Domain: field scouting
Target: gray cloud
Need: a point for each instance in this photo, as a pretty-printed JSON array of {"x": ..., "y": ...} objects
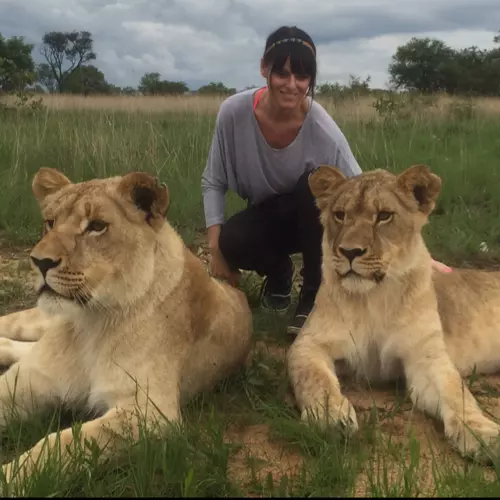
[{"x": 203, "y": 40}]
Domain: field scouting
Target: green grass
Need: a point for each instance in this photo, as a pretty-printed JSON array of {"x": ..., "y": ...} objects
[
  {"x": 209, "y": 456},
  {"x": 174, "y": 146}
]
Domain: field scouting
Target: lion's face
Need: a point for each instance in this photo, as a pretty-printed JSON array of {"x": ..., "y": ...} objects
[
  {"x": 372, "y": 222},
  {"x": 98, "y": 243}
]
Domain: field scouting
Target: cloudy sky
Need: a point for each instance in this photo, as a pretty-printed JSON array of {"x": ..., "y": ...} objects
[{"x": 222, "y": 40}]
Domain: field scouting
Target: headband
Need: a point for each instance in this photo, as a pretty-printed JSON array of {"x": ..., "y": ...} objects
[{"x": 290, "y": 40}]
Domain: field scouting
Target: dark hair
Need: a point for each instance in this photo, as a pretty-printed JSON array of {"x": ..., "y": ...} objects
[{"x": 286, "y": 42}]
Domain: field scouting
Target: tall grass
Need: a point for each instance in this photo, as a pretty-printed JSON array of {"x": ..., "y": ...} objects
[
  {"x": 461, "y": 146},
  {"x": 246, "y": 438}
]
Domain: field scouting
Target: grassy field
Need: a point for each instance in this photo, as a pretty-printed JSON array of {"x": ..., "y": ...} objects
[{"x": 246, "y": 438}]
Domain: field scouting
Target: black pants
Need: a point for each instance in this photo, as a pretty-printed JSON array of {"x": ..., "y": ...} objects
[{"x": 261, "y": 237}]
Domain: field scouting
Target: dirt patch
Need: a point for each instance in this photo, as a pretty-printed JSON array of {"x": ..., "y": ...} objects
[
  {"x": 404, "y": 447},
  {"x": 393, "y": 453},
  {"x": 14, "y": 259},
  {"x": 16, "y": 278},
  {"x": 260, "y": 456},
  {"x": 409, "y": 440}
]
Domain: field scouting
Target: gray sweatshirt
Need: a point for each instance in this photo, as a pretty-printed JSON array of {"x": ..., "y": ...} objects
[{"x": 241, "y": 160}]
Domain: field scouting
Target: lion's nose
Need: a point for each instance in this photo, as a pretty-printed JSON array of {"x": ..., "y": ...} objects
[
  {"x": 351, "y": 253},
  {"x": 45, "y": 264}
]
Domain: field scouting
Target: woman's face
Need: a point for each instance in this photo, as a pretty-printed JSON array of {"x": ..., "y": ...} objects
[{"x": 286, "y": 88}]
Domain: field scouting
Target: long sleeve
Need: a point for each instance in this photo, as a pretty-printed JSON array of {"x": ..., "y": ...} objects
[
  {"x": 214, "y": 182},
  {"x": 345, "y": 160}
]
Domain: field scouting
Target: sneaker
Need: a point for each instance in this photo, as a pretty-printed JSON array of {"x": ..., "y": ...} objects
[
  {"x": 304, "y": 307},
  {"x": 276, "y": 291}
]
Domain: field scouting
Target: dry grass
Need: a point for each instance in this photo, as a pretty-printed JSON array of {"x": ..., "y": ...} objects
[
  {"x": 359, "y": 108},
  {"x": 131, "y": 104}
]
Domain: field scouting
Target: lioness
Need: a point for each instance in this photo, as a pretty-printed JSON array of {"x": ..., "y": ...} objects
[
  {"x": 384, "y": 311},
  {"x": 126, "y": 314}
]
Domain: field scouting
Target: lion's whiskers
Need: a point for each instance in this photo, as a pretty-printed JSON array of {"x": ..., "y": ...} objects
[{"x": 95, "y": 302}]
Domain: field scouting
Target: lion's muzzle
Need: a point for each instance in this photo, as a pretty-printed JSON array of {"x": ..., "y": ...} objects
[
  {"x": 352, "y": 265},
  {"x": 44, "y": 265},
  {"x": 351, "y": 253}
]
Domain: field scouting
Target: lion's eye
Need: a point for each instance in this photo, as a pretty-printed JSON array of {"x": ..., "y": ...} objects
[
  {"x": 384, "y": 216},
  {"x": 97, "y": 226},
  {"x": 339, "y": 216}
]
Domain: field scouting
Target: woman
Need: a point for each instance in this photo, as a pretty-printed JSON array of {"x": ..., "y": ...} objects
[{"x": 265, "y": 144}]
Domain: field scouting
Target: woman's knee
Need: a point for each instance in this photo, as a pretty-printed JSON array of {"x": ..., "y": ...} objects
[
  {"x": 303, "y": 194},
  {"x": 235, "y": 240}
]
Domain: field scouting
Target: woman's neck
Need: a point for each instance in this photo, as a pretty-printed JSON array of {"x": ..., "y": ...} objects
[{"x": 278, "y": 114}]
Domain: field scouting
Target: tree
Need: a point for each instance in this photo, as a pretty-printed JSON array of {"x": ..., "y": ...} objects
[
  {"x": 151, "y": 84},
  {"x": 355, "y": 87},
  {"x": 423, "y": 64},
  {"x": 470, "y": 72},
  {"x": 65, "y": 52},
  {"x": 87, "y": 80},
  {"x": 329, "y": 88},
  {"x": 45, "y": 77},
  {"x": 17, "y": 68},
  {"x": 113, "y": 89},
  {"x": 128, "y": 91},
  {"x": 429, "y": 65},
  {"x": 216, "y": 88}
]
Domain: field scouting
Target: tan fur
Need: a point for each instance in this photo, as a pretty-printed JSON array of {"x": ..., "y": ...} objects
[
  {"x": 135, "y": 317},
  {"x": 396, "y": 316}
]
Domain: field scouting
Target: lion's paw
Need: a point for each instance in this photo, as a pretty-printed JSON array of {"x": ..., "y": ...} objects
[
  {"x": 478, "y": 439},
  {"x": 341, "y": 415},
  {"x": 9, "y": 488}
]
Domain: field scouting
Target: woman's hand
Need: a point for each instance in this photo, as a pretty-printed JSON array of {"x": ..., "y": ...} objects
[
  {"x": 439, "y": 266},
  {"x": 220, "y": 269}
]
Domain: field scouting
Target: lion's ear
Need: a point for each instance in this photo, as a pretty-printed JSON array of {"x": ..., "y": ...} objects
[
  {"x": 48, "y": 181},
  {"x": 323, "y": 181},
  {"x": 144, "y": 191},
  {"x": 424, "y": 186}
]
